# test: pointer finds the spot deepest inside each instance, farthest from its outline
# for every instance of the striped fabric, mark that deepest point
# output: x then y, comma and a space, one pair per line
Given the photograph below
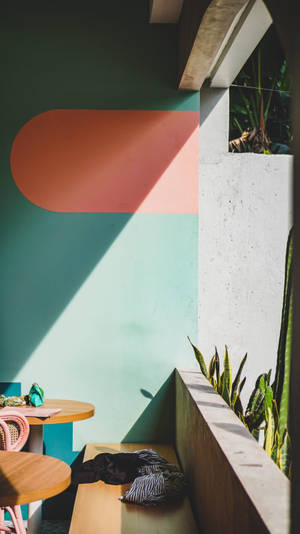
159, 482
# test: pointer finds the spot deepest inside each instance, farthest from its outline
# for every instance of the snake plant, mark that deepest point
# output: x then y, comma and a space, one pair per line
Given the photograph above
261, 407
229, 389
282, 375
255, 411
269, 404
277, 446
277, 439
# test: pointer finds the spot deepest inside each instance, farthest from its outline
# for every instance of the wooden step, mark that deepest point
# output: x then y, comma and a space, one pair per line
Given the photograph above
98, 510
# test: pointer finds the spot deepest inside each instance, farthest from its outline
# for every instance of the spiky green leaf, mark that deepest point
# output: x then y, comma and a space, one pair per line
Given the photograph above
285, 455
268, 401
276, 448
255, 397
269, 433
236, 404
241, 386
200, 359
213, 383
227, 371
282, 373
263, 383
284, 401
225, 394
217, 360
236, 381
221, 383
211, 368
268, 377
238, 407
254, 414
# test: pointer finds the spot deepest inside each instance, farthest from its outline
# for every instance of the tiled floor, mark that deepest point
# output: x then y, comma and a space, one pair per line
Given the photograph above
50, 527
55, 527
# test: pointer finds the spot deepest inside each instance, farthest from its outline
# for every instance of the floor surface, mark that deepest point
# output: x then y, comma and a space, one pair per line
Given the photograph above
55, 527
50, 527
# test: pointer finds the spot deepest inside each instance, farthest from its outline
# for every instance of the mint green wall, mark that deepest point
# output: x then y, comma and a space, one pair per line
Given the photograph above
93, 306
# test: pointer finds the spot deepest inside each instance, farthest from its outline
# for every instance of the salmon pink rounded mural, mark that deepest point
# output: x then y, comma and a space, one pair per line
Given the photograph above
121, 161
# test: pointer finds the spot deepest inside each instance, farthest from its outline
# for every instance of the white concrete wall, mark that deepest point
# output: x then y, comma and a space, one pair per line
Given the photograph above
245, 215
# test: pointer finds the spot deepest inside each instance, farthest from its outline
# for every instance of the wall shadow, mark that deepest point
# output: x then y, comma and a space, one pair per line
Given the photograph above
61, 506
62, 59
157, 422
235, 429
46, 262
209, 99
7, 488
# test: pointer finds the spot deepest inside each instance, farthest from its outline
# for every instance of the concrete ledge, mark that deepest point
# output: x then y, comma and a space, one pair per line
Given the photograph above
235, 486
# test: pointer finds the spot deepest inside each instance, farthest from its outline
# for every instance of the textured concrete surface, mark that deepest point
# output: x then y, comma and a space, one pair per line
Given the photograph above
235, 487
239, 44
244, 219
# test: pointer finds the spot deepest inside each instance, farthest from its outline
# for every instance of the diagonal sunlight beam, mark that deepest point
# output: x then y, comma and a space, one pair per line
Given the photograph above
134, 305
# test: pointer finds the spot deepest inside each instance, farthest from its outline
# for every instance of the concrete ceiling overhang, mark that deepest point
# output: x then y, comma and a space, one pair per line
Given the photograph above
215, 37
165, 11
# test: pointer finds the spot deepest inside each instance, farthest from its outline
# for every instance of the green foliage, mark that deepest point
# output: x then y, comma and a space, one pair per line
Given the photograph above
266, 404
222, 382
276, 445
269, 432
260, 102
261, 407
255, 411
199, 359
282, 376
236, 385
277, 439
285, 459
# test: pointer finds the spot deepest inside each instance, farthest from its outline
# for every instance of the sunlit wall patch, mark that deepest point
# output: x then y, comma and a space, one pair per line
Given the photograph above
122, 161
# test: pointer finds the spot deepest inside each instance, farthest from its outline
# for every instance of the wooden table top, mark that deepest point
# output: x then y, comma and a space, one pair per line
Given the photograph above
71, 410
27, 477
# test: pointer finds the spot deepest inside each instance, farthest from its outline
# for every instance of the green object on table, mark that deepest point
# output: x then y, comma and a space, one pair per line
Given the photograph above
36, 395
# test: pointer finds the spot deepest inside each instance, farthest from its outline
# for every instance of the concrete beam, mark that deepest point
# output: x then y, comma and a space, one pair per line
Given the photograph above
165, 11
216, 38
202, 30
240, 43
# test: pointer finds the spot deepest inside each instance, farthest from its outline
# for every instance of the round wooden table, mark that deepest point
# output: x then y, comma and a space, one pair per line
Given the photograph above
71, 411
27, 477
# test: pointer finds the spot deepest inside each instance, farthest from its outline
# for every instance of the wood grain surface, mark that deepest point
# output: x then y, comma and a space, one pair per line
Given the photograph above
26, 477
98, 508
71, 410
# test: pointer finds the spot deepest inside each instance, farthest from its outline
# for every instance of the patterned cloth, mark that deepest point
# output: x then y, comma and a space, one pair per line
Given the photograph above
118, 468
157, 488
154, 480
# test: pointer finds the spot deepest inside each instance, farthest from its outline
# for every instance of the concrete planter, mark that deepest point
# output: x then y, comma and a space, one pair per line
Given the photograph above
235, 486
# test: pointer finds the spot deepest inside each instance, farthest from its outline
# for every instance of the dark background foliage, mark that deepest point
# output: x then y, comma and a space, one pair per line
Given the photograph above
268, 72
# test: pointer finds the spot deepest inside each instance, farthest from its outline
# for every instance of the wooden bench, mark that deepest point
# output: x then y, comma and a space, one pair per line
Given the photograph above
98, 510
